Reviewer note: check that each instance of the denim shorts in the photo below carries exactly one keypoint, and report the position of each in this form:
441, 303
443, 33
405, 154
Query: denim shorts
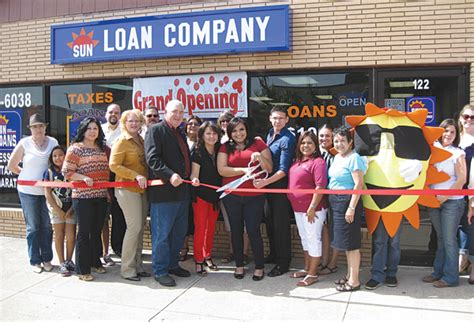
56, 219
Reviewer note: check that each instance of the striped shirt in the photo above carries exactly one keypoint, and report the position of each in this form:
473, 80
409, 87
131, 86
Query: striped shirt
90, 162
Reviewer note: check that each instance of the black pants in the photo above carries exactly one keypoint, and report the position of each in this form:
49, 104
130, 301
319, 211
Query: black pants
119, 227
277, 221
248, 211
90, 215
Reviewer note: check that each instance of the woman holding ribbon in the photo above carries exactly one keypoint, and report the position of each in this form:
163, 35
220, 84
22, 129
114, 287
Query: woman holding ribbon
33, 153
347, 173
86, 160
233, 160
446, 218
205, 205
127, 161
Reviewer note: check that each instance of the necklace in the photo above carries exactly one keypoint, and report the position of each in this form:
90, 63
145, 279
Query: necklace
41, 145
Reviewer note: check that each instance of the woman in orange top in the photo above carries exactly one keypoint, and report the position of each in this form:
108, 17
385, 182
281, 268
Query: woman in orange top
127, 161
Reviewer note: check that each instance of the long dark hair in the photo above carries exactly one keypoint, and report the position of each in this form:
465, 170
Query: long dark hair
81, 130
231, 146
445, 125
51, 165
314, 138
202, 129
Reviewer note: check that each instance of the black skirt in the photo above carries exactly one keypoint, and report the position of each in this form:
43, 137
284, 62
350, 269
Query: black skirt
345, 236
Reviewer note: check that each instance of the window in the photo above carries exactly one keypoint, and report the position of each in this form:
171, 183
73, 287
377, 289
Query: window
311, 99
73, 102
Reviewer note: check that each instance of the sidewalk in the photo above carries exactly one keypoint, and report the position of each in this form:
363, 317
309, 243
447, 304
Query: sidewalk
48, 296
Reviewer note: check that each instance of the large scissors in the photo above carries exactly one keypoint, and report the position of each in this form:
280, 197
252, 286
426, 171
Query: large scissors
252, 173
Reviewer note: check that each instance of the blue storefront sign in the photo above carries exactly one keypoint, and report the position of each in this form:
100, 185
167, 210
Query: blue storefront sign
10, 135
232, 31
426, 102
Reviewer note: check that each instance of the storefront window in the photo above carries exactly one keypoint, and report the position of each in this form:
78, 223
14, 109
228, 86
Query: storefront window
71, 103
311, 99
17, 104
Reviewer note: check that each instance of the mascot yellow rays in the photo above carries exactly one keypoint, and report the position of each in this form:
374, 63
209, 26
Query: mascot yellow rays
401, 155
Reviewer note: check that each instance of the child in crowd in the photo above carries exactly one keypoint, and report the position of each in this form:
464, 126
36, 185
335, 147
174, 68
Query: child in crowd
62, 216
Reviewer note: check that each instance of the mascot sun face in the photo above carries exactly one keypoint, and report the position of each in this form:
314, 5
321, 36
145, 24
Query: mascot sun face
401, 156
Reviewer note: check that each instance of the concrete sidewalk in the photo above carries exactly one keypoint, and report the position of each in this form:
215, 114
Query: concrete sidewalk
48, 296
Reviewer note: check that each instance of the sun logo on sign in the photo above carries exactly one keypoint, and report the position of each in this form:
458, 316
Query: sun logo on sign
82, 45
3, 120
416, 104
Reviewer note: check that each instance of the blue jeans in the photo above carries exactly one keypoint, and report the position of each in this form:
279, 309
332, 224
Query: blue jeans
445, 221
386, 253
39, 233
169, 223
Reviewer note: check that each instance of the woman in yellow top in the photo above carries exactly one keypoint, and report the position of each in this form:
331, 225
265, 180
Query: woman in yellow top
127, 161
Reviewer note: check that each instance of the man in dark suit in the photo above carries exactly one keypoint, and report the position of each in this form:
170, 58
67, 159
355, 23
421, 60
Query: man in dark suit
168, 158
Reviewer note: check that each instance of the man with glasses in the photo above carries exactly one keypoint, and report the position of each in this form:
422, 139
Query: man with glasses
152, 117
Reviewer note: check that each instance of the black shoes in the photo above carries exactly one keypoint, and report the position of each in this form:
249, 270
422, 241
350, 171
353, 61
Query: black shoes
166, 280
179, 271
133, 278
391, 281
277, 271
239, 276
143, 274
372, 284
257, 278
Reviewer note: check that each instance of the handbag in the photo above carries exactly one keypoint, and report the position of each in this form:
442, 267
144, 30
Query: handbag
55, 197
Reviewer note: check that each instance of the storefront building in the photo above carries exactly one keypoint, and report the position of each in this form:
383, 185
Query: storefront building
320, 59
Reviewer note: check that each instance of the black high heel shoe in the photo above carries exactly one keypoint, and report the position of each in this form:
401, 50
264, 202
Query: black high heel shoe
257, 278
200, 270
210, 264
239, 276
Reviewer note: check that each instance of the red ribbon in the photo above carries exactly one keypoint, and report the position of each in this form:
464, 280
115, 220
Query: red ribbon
129, 184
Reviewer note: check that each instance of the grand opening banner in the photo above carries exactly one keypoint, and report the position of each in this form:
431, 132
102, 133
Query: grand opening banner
204, 95
230, 31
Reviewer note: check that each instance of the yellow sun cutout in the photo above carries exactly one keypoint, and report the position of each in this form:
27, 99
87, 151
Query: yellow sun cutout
4, 118
401, 155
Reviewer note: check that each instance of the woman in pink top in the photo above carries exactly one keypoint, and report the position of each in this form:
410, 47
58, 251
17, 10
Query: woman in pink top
308, 172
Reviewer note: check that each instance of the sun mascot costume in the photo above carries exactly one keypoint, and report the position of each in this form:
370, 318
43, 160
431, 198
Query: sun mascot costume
401, 155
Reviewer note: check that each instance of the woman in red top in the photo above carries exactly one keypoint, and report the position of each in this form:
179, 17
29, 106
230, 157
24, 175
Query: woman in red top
308, 172
232, 163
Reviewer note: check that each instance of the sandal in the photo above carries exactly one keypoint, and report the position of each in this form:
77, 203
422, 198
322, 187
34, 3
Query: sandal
326, 270
86, 277
299, 274
308, 280
183, 254
341, 281
210, 263
347, 287
228, 259
200, 270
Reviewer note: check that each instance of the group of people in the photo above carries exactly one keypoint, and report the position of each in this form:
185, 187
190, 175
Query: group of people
138, 148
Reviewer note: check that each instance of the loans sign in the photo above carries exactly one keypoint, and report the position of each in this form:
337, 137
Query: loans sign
205, 95
255, 29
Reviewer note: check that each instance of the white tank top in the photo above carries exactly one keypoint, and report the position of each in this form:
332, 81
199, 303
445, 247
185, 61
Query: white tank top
35, 163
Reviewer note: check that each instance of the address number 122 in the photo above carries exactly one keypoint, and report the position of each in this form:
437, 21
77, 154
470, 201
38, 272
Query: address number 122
421, 84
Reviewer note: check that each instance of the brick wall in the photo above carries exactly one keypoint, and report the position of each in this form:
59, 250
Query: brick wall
12, 225
326, 34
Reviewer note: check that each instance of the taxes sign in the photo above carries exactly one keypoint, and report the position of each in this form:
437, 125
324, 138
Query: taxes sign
256, 29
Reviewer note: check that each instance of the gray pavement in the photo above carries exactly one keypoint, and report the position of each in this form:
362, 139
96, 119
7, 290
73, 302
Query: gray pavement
48, 296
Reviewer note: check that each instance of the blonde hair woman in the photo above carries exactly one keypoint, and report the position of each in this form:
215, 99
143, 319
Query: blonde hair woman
127, 161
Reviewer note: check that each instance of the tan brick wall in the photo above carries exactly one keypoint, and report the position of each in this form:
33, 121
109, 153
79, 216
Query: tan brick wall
12, 225
326, 34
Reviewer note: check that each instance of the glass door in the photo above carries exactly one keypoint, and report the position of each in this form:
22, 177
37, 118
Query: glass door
443, 91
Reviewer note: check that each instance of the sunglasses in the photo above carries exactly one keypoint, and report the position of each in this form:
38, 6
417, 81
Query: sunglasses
468, 117
409, 141
151, 115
